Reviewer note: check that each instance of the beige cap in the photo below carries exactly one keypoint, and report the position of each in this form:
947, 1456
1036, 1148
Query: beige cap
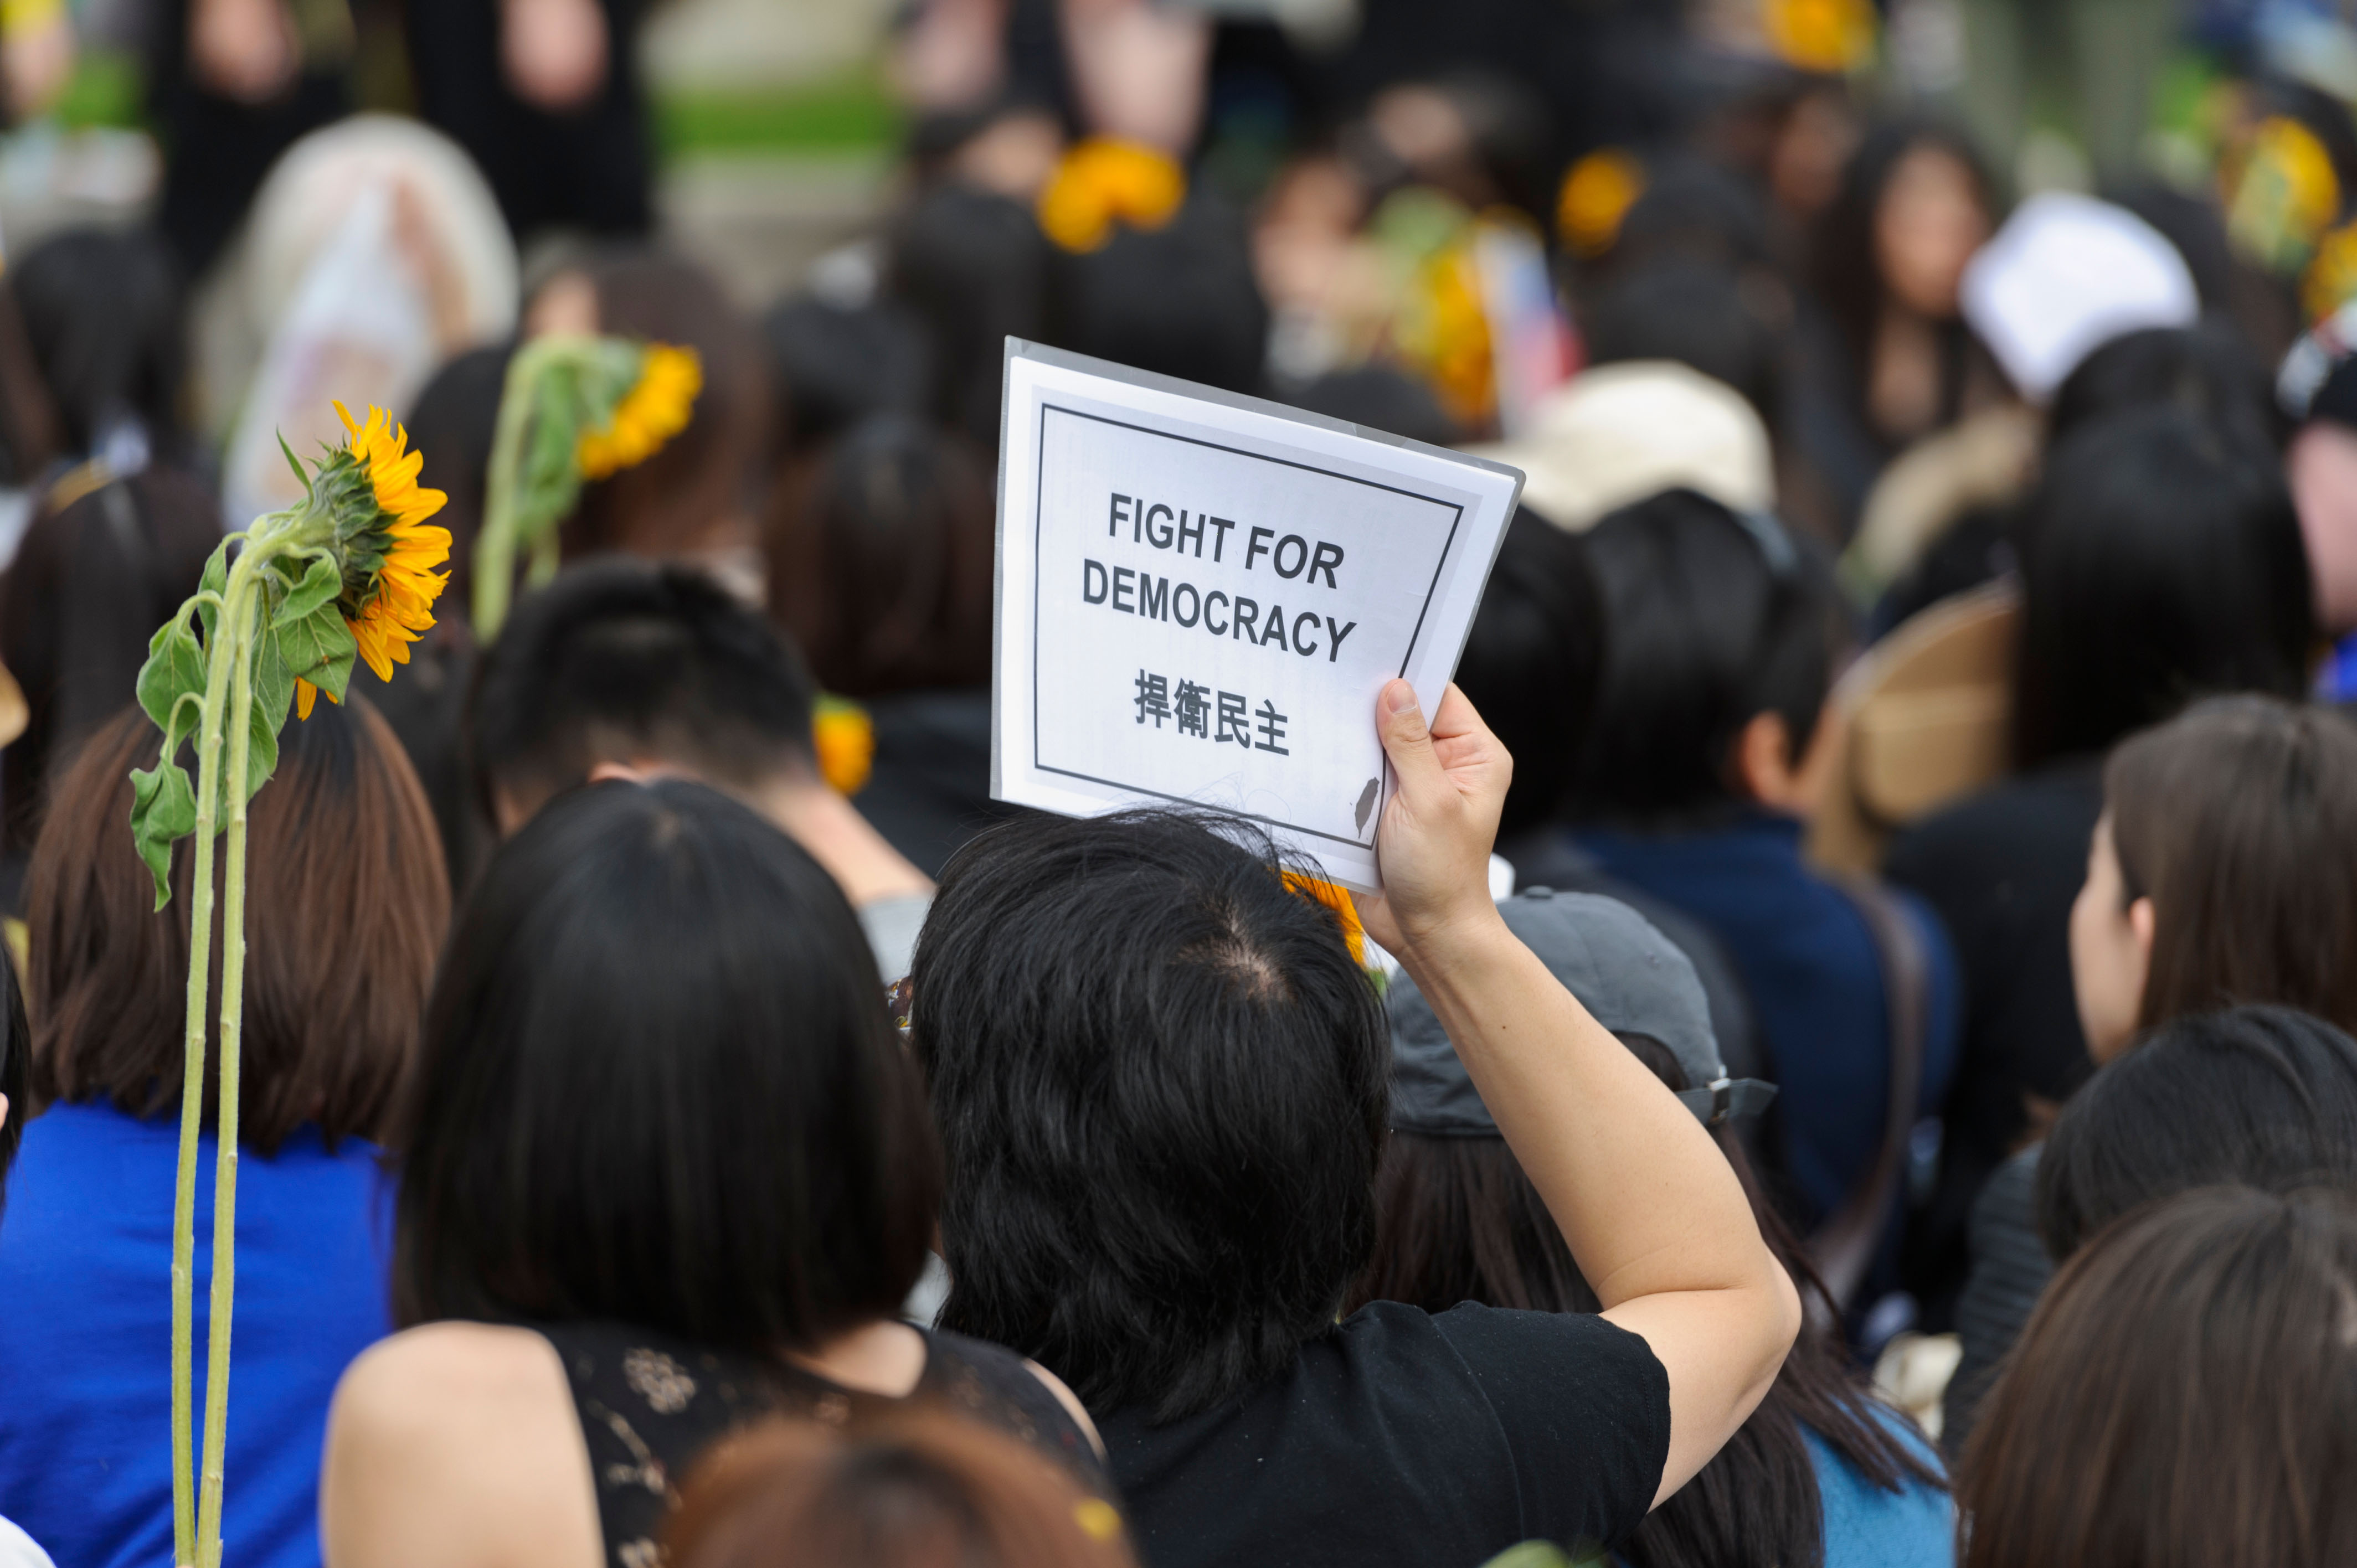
1620, 433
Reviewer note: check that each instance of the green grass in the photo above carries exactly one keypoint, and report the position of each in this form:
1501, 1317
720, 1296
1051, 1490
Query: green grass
849, 112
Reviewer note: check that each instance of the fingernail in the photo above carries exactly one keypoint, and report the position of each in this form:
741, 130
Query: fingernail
1401, 696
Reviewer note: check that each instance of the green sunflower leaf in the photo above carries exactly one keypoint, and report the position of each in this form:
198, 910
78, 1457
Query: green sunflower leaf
295, 463
175, 668
320, 586
274, 693
163, 812
215, 582
319, 649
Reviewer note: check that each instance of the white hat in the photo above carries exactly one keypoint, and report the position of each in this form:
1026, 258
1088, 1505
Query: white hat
2065, 275
1618, 434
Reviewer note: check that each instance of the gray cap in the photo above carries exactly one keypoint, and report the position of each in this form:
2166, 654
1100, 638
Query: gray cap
1630, 977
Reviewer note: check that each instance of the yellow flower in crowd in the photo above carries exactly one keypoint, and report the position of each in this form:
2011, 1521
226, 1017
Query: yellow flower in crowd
1596, 196
846, 738
389, 558
1336, 899
655, 409
1102, 180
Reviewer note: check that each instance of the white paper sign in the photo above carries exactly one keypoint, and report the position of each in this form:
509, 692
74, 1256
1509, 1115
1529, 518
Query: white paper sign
1200, 595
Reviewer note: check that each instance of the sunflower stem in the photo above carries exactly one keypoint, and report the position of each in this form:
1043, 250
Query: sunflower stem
238, 621
495, 549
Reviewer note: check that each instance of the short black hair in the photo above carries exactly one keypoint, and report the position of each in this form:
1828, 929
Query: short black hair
102, 310
1534, 662
837, 365
620, 657
1182, 300
2260, 1096
2161, 560
1711, 620
1161, 1083
658, 1085
973, 266
1701, 314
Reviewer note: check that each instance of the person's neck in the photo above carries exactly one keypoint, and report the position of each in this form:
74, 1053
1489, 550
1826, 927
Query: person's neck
862, 865
880, 1358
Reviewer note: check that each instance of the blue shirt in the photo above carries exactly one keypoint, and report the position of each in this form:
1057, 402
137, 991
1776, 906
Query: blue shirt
1809, 962
1866, 1527
86, 1315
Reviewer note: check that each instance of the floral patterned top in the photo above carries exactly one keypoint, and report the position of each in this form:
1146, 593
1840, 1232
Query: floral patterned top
650, 1404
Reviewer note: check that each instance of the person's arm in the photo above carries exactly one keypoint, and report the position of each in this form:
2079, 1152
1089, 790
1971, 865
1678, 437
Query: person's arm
1651, 1210
456, 1444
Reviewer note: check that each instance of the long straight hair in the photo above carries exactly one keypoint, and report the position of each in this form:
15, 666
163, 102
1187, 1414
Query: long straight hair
1458, 1221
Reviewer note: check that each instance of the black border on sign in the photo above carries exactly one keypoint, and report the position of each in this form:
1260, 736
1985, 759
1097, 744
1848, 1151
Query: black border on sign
1038, 507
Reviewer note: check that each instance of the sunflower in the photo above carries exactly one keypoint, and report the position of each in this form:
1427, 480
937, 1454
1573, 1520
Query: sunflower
655, 410
389, 553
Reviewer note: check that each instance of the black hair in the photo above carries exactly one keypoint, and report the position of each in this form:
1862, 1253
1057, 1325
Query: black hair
974, 268
658, 1085
16, 1052
1691, 209
1708, 623
1381, 397
2206, 369
452, 424
1698, 312
836, 367
1534, 662
621, 656
1844, 261
1160, 1081
2160, 561
1181, 300
2258, 1095
101, 309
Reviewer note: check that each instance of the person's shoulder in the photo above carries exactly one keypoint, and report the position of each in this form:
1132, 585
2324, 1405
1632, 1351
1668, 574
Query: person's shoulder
18, 1550
449, 1433
1498, 1341
1912, 1527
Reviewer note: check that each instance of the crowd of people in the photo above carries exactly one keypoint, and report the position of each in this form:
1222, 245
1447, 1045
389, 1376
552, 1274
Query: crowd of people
1852, 1060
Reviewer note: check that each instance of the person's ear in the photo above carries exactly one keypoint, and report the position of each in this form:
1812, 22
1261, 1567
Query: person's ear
2141, 924
4, 1111
1764, 767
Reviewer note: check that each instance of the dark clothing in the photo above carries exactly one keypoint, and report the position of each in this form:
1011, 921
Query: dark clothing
1406, 1439
1548, 859
2009, 1272
650, 1404
1815, 975
930, 788
2002, 870
592, 167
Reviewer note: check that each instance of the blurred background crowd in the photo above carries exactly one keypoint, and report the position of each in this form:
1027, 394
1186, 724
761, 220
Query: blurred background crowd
1918, 399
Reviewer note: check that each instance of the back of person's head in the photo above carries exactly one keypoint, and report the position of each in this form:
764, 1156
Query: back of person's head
973, 265
915, 1490
880, 560
2263, 1097
2238, 819
658, 1085
627, 661
2208, 370
2159, 563
1696, 312
1159, 1077
1691, 209
693, 493
1381, 397
347, 899
1182, 300
101, 309
452, 425
836, 366
2185, 1395
1532, 663
1712, 618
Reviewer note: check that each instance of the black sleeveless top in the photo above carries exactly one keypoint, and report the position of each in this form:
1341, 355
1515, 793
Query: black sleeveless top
650, 1404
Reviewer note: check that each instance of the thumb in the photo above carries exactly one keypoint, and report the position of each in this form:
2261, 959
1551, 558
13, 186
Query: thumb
1408, 741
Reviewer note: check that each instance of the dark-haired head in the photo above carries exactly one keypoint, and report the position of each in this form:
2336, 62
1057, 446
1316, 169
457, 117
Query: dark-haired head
881, 559
2208, 370
2229, 832
2159, 561
2186, 1394
1701, 314
1868, 258
835, 365
1182, 300
1532, 663
346, 902
973, 266
1160, 1080
101, 309
658, 1085
631, 661
2263, 1097
1718, 648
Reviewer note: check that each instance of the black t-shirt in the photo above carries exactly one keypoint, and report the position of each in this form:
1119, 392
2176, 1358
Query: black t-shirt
1401, 1438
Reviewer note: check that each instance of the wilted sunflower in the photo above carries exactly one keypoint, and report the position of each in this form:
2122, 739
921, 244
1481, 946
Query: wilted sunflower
655, 410
388, 552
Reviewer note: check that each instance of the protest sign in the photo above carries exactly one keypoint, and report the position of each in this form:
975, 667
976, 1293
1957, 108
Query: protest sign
1200, 595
